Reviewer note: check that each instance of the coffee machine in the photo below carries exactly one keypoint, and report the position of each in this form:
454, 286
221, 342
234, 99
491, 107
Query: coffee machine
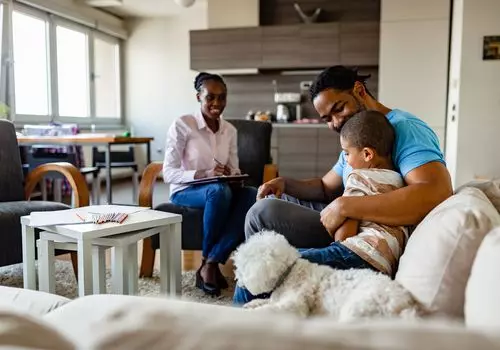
288, 106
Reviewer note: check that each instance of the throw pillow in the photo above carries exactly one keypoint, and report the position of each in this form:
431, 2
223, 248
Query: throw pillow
20, 331
439, 255
491, 188
482, 296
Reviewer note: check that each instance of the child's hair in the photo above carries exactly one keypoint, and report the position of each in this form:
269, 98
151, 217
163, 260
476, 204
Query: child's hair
369, 129
203, 77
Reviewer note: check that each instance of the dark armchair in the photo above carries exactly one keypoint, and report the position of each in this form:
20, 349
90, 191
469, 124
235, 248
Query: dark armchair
14, 195
254, 148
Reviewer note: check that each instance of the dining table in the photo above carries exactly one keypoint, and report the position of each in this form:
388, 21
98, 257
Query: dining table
91, 139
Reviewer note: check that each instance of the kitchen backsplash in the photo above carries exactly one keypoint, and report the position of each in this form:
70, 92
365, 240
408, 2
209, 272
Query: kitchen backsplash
256, 92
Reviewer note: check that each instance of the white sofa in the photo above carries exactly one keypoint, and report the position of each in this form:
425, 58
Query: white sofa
451, 264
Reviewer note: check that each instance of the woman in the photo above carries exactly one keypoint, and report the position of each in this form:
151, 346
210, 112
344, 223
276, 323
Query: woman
204, 145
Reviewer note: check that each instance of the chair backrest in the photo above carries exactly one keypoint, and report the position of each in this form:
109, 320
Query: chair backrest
254, 148
11, 170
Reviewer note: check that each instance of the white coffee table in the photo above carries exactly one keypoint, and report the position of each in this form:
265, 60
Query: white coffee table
168, 225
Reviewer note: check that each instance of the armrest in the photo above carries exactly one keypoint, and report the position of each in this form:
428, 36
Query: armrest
270, 172
70, 172
146, 200
147, 184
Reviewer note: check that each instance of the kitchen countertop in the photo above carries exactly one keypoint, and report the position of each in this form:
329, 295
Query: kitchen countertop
299, 125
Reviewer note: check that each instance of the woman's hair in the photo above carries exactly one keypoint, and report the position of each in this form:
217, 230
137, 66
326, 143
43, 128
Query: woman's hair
203, 77
338, 78
370, 129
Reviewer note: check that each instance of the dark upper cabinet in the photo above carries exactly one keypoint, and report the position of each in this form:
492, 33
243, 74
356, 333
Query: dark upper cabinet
302, 46
359, 43
319, 46
280, 47
231, 48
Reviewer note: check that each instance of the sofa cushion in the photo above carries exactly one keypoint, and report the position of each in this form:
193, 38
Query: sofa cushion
10, 226
192, 226
127, 322
22, 331
30, 301
491, 188
482, 297
439, 255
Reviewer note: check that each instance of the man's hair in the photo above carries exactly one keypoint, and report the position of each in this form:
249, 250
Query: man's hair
338, 78
369, 129
202, 77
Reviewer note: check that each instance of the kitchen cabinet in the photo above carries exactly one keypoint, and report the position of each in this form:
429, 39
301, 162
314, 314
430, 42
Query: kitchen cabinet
320, 45
228, 48
279, 47
359, 43
304, 151
301, 46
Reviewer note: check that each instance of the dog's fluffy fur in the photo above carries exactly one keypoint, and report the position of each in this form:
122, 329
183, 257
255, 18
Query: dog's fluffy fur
311, 289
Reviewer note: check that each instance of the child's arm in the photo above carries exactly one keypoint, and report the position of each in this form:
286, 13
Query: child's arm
348, 229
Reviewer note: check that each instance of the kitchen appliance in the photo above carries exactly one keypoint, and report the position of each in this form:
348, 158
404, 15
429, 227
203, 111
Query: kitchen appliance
282, 113
288, 106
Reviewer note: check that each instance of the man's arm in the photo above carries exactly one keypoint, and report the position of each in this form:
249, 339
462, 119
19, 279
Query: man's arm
323, 189
427, 186
348, 229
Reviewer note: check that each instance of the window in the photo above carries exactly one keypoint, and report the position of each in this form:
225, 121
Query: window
30, 64
72, 72
62, 70
107, 78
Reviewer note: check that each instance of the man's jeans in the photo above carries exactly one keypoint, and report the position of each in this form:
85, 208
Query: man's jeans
299, 222
223, 217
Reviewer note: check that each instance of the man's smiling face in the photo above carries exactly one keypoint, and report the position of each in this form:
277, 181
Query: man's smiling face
335, 107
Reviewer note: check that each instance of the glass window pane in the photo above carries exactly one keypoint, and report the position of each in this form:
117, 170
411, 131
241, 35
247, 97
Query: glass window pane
30, 64
72, 72
107, 79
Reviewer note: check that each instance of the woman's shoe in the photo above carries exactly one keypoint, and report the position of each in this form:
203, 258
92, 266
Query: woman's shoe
221, 280
208, 288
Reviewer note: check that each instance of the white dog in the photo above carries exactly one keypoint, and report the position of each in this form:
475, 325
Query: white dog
268, 263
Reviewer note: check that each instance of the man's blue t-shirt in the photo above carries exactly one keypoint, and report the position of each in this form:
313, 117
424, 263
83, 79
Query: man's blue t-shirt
416, 144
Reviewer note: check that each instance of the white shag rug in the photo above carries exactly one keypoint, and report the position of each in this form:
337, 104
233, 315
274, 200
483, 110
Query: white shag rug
66, 286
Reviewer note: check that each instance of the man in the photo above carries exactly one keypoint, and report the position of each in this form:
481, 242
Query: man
306, 218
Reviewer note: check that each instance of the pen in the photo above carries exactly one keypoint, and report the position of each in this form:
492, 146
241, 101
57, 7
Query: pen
219, 163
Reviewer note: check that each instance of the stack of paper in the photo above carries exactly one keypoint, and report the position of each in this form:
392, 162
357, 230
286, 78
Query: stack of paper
74, 216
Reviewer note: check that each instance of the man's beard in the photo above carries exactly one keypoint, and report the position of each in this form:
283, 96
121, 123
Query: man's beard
359, 108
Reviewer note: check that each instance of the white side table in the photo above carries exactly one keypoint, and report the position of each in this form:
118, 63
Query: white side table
148, 221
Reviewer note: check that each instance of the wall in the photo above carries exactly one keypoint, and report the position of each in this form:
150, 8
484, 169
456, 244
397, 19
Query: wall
475, 93
159, 81
243, 13
414, 37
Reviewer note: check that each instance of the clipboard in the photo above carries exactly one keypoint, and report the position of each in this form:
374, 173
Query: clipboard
214, 179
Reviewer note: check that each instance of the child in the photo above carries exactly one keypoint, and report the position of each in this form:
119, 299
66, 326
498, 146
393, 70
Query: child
367, 140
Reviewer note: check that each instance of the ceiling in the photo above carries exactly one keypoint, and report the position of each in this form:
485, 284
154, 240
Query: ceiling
150, 8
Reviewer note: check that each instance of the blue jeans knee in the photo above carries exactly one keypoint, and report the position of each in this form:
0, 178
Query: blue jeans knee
220, 191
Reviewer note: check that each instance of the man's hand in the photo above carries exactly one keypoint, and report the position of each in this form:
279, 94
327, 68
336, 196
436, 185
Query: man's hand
275, 186
331, 217
427, 186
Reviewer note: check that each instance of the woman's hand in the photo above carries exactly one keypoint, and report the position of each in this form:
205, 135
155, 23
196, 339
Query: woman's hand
275, 186
218, 170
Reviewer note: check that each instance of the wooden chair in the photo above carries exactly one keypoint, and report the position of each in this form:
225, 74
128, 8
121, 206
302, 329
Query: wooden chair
15, 196
254, 146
